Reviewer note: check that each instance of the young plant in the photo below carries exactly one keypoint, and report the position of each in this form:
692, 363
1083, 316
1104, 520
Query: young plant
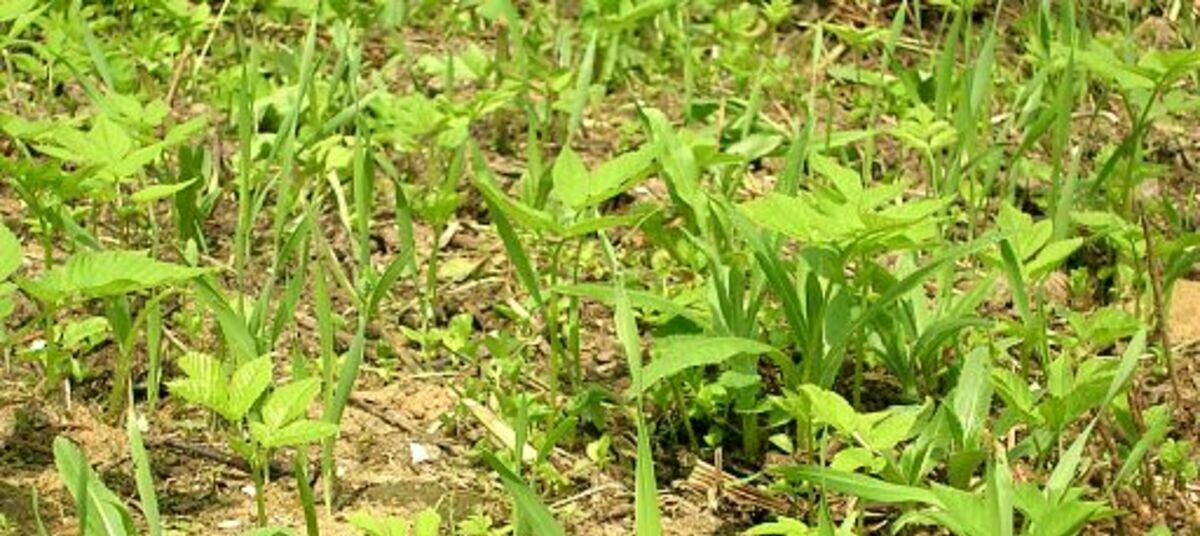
255, 430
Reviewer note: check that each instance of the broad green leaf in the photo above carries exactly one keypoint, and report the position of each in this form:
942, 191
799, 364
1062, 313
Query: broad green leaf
248, 383
1102, 61
426, 523
203, 383
11, 9
10, 253
289, 402
1066, 519
298, 433
896, 426
972, 396
570, 178
963, 513
619, 174
101, 274
677, 354
830, 408
1051, 256
379, 525
791, 216
864, 487
846, 180
532, 510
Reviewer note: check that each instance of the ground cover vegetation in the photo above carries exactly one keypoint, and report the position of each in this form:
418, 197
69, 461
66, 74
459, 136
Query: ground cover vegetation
493, 267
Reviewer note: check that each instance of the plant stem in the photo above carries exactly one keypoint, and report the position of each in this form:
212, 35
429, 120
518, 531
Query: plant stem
1160, 321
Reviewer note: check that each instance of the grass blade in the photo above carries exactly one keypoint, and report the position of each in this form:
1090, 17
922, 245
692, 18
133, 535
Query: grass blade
143, 477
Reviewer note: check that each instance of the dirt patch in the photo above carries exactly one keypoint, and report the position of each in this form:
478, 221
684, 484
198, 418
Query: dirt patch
1183, 323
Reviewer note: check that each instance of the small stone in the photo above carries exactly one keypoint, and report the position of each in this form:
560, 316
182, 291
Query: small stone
420, 453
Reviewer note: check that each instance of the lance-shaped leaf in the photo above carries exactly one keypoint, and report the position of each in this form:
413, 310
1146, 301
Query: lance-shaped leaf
674, 355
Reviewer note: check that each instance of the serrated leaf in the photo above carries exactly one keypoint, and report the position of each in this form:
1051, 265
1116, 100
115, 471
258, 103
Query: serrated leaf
204, 383
101, 274
289, 402
301, 432
248, 383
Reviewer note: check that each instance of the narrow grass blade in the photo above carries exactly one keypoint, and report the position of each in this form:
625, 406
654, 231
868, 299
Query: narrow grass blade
143, 477
648, 520
862, 486
531, 508
154, 325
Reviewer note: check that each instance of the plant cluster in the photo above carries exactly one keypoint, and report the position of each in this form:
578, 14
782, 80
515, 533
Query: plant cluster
907, 266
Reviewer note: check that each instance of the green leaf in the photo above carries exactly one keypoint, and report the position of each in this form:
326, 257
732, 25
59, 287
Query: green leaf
101, 274
639, 299
379, 525
865, 487
204, 383
830, 408
289, 402
248, 383
10, 253
847, 181
1051, 256
627, 335
679, 163
143, 476
1016, 279
677, 354
648, 519
617, 175
972, 396
101, 509
532, 510
570, 178
155, 192
298, 433
1158, 424
426, 523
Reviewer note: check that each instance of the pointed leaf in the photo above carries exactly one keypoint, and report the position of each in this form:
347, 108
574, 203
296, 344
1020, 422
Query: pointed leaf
680, 353
248, 383
289, 402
